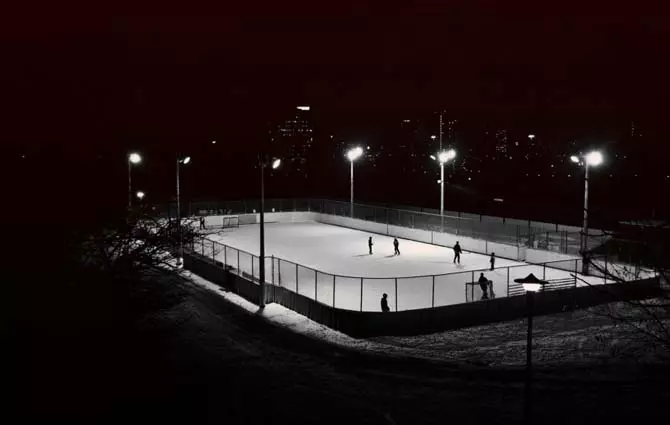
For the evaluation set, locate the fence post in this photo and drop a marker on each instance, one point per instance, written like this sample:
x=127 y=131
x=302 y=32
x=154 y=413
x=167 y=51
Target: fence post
x=252 y=266
x=238 y=260
x=279 y=271
x=576 y=265
x=213 y=249
x=508 y=281
x=396 y=294
x=605 y=275
x=316 y=280
x=225 y=255
x=544 y=271
x=361 y=294
x=433 y=300
x=297 y=290
x=202 y=246
x=272 y=258
x=333 y=291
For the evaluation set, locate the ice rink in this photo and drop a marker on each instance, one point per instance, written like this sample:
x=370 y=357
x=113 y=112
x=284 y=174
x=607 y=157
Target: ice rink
x=332 y=264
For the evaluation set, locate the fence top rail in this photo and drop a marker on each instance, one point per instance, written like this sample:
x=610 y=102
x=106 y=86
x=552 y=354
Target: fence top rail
x=384 y=278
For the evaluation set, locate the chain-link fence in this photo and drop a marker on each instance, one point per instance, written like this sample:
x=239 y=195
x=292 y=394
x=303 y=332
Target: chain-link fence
x=545 y=236
x=361 y=293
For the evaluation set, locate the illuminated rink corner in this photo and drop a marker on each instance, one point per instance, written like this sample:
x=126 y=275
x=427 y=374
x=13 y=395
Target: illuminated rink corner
x=323 y=251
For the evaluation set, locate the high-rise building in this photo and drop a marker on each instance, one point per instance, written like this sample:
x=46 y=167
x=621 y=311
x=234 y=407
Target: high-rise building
x=293 y=139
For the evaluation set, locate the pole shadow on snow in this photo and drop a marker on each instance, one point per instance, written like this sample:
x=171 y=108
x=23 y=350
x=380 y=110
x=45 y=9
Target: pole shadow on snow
x=362 y=255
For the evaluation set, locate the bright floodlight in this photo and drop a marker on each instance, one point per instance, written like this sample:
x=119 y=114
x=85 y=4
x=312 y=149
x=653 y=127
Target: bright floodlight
x=135 y=158
x=445 y=156
x=532 y=287
x=574 y=159
x=276 y=163
x=594 y=158
x=140 y=194
x=531 y=136
x=354 y=153
x=186 y=160
x=303 y=108
x=433 y=137
x=433 y=157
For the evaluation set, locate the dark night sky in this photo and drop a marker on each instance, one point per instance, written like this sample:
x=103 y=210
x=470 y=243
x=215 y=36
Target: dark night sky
x=94 y=77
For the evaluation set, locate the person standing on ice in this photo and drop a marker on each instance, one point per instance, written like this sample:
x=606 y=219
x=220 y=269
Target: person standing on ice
x=493 y=261
x=385 y=303
x=457 y=253
x=484 y=284
x=396 y=251
x=202 y=222
x=370 y=244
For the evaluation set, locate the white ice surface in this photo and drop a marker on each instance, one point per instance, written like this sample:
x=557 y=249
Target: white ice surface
x=324 y=251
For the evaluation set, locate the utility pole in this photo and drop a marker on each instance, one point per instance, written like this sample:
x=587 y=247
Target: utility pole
x=441 y=132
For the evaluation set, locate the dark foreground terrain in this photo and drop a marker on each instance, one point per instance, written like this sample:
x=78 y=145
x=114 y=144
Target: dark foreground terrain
x=206 y=361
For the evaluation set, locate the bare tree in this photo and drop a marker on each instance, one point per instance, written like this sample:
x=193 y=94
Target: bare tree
x=637 y=251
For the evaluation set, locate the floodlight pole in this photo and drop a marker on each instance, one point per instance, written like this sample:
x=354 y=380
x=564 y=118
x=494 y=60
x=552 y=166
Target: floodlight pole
x=261 y=265
x=130 y=185
x=442 y=196
x=181 y=239
x=585 y=228
x=351 y=209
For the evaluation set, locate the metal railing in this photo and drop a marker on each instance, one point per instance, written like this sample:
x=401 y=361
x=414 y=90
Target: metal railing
x=404 y=293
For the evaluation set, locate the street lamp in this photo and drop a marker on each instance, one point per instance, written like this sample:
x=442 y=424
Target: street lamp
x=276 y=162
x=140 y=195
x=591 y=159
x=133 y=158
x=353 y=154
x=531 y=285
x=180 y=161
x=443 y=157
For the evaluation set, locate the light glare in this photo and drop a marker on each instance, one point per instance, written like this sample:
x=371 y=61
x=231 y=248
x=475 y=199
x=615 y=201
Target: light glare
x=140 y=194
x=574 y=159
x=594 y=158
x=186 y=160
x=303 y=108
x=135 y=158
x=532 y=287
x=445 y=156
x=276 y=163
x=354 y=153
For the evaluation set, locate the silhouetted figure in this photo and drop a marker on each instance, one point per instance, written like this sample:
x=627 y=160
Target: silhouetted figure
x=202 y=223
x=484 y=284
x=396 y=251
x=493 y=261
x=385 y=303
x=370 y=244
x=457 y=253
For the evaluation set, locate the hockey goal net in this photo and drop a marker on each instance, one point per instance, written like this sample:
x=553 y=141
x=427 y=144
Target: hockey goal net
x=222 y=221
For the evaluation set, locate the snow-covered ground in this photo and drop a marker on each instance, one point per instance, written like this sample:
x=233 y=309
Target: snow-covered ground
x=332 y=264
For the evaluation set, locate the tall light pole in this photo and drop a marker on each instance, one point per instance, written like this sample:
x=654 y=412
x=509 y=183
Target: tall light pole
x=443 y=157
x=133 y=158
x=353 y=154
x=180 y=161
x=531 y=285
x=591 y=159
x=276 y=162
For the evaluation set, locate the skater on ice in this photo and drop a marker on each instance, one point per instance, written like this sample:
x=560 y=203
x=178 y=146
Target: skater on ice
x=457 y=253
x=385 y=303
x=484 y=284
x=370 y=244
x=396 y=251
x=493 y=261
x=202 y=222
